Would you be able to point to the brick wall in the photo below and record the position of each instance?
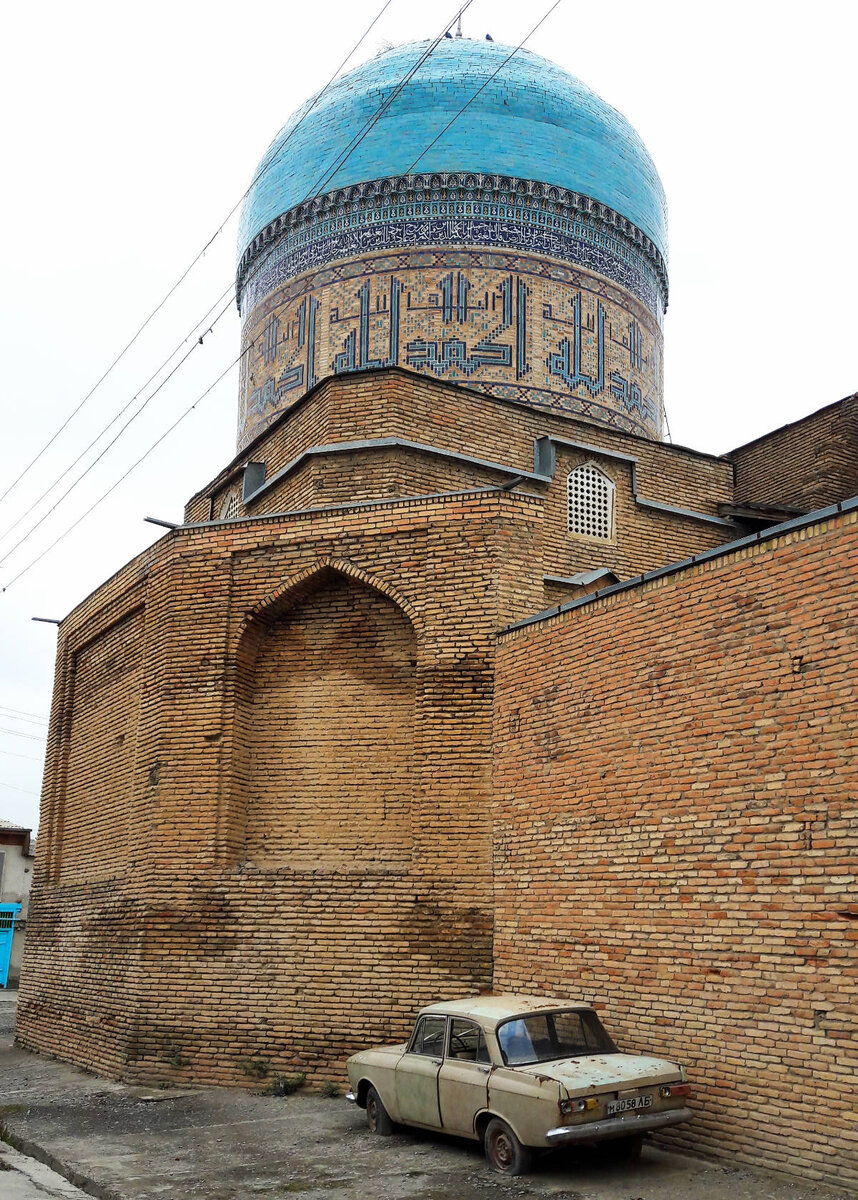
(308, 846)
(676, 828)
(805, 465)
(326, 725)
(106, 675)
(396, 403)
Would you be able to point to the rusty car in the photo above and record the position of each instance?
(520, 1074)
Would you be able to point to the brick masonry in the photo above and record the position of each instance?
(549, 334)
(270, 827)
(806, 464)
(675, 835)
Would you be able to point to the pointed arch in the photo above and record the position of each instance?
(325, 713)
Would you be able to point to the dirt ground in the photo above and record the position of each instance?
(131, 1143)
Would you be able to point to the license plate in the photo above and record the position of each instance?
(627, 1105)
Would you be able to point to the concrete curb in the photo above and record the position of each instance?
(74, 1177)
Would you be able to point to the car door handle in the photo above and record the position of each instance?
(485, 1070)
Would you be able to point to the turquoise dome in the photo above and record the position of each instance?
(533, 121)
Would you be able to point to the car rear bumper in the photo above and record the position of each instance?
(615, 1127)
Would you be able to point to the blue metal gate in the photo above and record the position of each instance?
(8, 913)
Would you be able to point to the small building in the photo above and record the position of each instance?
(16, 874)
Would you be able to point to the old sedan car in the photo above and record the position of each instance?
(518, 1073)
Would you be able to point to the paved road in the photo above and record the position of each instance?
(22, 1178)
(134, 1143)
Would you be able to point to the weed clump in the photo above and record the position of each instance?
(286, 1085)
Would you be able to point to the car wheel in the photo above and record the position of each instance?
(377, 1117)
(504, 1152)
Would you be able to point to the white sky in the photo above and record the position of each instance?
(128, 132)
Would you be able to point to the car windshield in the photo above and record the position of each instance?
(542, 1037)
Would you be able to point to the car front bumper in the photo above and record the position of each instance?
(615, 1127)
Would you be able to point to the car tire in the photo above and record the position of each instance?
(377, 1117)
(504, 1152)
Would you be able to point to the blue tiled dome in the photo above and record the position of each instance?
(533, 121)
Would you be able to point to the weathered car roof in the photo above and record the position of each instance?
(491, 1010)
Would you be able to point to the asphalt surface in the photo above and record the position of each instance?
(131, 1143)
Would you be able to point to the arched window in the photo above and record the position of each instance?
(590, 503)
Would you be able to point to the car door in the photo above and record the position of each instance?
(417, 1073)
(464, 1076)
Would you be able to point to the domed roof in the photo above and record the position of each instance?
(533, 121)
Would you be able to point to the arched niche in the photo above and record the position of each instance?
(323, 757)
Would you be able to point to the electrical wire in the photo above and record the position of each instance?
(484, 85)
(339, 161)
(26, 791)
(31, 737)
(16, 714)
(371, 122)
(29, 757)
(194, 332)
(257, 176)
(123, 477)
(115, 439)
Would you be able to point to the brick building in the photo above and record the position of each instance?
(457, 677)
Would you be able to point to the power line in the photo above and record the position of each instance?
(484, 85)
(370, 123)
(26, 791)
(122, 478)
(114, 440)
(18, 714)
(338, 162)
(341, 159)
(194, 261)
(29, 757)
(32, 737)
(194, 330)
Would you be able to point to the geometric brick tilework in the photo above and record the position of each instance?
(547, 334)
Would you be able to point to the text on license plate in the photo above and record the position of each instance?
(631, 1102)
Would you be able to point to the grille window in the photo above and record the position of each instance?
(229, 506)
(590, 503)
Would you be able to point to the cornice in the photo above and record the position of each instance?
(474, 188)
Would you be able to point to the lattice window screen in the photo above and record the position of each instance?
(590, 502)
(229, 506)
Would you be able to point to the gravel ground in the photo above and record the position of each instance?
(132, 1143)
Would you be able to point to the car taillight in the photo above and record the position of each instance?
(583, 1104)
(674, 1089)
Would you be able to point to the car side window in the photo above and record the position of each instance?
(467, 1042)
(428, 1037)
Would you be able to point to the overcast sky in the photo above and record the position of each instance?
(130, 131)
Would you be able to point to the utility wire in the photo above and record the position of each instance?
(15, 714)
(484, 85)
(26, 536)
(26, 791)
(31, 737)
(193, 332)
(339, 161)
(195, 260)
(122, 478)
(29, 757)
(325, 178)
